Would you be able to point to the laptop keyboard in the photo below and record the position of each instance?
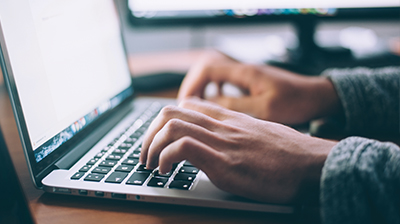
(118, 163)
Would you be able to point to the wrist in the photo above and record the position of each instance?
(323, 97)
(310, 185)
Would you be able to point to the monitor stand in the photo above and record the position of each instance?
(310, 59)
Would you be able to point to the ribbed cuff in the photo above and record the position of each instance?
(360, 183)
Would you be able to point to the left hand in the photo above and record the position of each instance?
(245, 156)
(270, 93)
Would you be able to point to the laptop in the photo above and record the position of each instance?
(81, 127)
(14, 207)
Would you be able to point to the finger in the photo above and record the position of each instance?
(199, 76)
(208, 108)
(171, 112)
(249, 104)
(172, 131)
(194, 82)
(199, 154)
(198, 72)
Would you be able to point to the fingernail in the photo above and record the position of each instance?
(148, 166)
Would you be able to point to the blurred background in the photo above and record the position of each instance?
(306, 37)
(165, 37)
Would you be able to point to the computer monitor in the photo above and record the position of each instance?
(304, 15)
(176, 12)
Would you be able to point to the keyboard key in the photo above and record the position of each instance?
(106, 149)
(138, 178)
(108, 163)
(114, 157)
(138, 149)
(134, 156)
(94, 177)
(116, 177)
(157, 174)
(188, 169)
(125, 168)
(141, 130)
(119, 151)
(147, 123)
(142, 168)
(85, 168)
(130, 161)
(135, 135)
(77, 176)
(157, 182)
(102, 170)
(185, 176)
(174, 166)
(183, 185)
(131, 140)
(125, 145)
(187, 163)
(92, 161)
(113, 142)
(99, 155)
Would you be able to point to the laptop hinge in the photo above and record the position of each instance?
(67, 161)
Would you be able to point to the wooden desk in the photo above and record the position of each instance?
(52, 208)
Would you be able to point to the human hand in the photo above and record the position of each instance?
(245, 156)
(272, 93)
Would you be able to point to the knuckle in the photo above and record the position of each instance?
(190, 102)
(247, 69)
(205, 66)
(186, 142)
(254, 73)
(201, 68)
(174, 125)
(253, 69)
(157, 137)
(168, 111)
(185, 102)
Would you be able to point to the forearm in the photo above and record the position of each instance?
(360, 183)
(369, 98)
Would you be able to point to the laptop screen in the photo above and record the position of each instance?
(69, 65)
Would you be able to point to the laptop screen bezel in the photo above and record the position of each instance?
(39, 169)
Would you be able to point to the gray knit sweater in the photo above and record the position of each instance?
(360, 180)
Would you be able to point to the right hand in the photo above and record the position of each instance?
(273, 94)
(257, 159)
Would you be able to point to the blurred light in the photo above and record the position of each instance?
(276, 45)
(358, 38)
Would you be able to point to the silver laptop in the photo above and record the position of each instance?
(81, 129)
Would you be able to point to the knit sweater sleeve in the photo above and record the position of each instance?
(370, 99)
(360, 183)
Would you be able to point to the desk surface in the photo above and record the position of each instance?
(52, 208)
